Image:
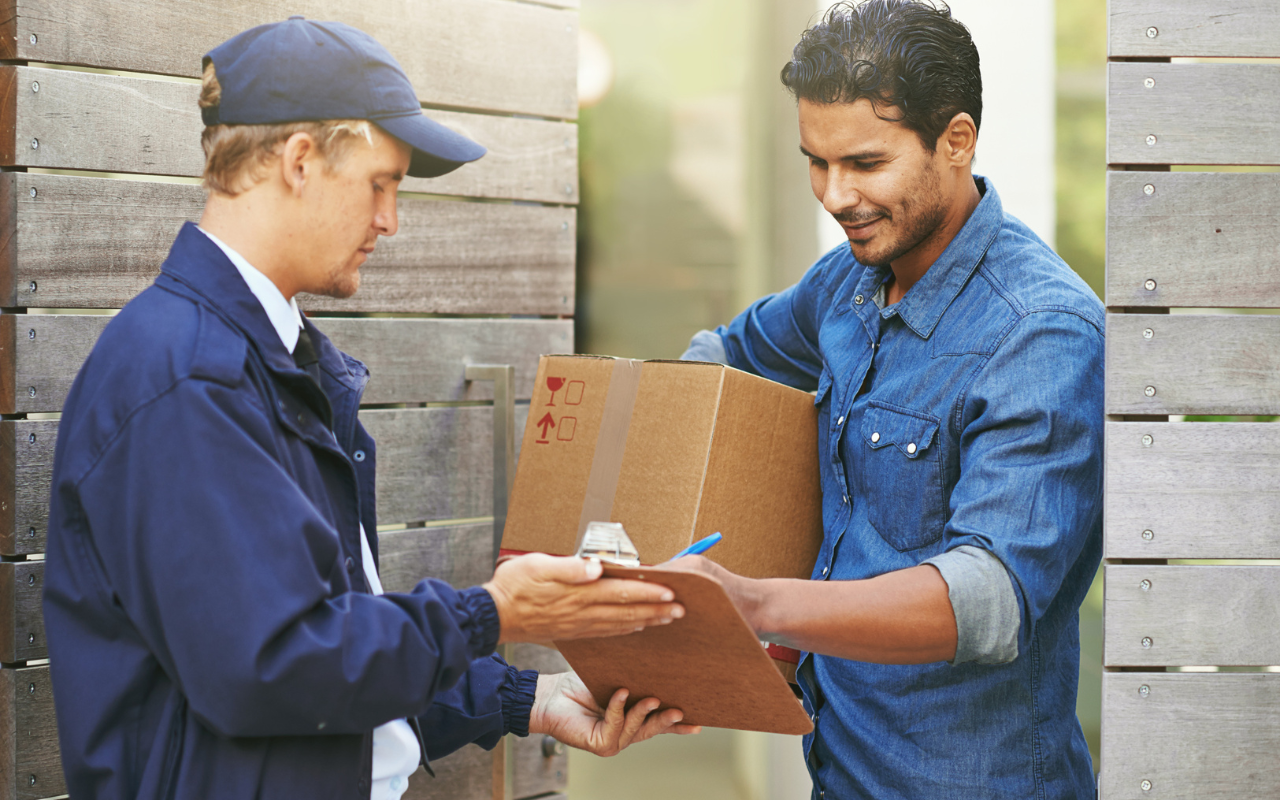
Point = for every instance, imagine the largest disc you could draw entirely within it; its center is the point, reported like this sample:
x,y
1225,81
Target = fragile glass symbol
x,y
554,384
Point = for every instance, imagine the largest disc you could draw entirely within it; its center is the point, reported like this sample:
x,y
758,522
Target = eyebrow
x,y
866,155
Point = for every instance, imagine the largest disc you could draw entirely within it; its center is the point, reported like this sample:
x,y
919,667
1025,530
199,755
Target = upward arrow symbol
x,y
546,423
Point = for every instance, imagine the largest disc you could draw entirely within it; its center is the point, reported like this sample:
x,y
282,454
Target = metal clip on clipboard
x,y
609,543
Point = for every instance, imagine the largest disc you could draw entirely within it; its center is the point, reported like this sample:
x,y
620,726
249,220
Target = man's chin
x,y
871,256
341,287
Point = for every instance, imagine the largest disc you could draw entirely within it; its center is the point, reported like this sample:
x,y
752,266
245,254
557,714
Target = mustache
x,y
858,217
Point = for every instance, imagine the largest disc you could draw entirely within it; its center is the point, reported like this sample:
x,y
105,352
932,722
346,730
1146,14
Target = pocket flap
x,y
910,431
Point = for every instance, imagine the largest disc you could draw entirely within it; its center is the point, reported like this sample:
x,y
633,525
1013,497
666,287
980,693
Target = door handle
x,y
504,439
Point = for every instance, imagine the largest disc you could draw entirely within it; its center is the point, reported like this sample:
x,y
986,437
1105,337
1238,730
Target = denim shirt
x,y
968,414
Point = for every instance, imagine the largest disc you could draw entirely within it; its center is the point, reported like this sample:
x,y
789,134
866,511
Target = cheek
x,y
818,181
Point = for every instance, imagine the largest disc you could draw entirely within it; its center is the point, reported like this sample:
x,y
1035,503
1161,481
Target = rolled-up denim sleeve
x,y
982,598
706,346
1030,486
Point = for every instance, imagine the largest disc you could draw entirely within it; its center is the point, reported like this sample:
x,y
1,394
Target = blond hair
x,y
236,156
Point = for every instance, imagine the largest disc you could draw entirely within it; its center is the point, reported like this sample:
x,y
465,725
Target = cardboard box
x,y
675,451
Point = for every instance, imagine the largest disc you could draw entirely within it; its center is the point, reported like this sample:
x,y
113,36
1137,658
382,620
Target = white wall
x,y
1015,40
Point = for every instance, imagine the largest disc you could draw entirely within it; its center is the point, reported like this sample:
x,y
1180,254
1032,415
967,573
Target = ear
x,y
298,158
958,142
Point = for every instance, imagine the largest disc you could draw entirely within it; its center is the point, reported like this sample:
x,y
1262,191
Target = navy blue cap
x,y
299,70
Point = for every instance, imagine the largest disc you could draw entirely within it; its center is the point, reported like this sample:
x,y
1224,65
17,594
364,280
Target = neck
x,y
246,223
909,268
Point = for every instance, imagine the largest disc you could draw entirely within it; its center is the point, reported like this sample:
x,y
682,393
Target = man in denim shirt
x,y
958,368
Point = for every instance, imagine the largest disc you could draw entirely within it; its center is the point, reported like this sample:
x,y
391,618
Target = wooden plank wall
x,y
481,271
1191,689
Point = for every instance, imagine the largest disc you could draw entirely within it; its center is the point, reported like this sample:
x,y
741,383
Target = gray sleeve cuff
x,y
706,346
986,609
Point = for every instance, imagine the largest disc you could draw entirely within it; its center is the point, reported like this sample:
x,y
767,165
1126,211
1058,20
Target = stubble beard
x,y
922,213
341,284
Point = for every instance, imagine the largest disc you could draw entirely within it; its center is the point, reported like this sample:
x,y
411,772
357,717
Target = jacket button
x,y
875,437
358,455
351,564
911,448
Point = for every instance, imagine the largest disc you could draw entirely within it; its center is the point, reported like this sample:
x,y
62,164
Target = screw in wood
x,y
1150,285
1153,32
1148,535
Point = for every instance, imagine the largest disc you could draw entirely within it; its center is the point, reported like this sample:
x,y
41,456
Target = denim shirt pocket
x,y
902,475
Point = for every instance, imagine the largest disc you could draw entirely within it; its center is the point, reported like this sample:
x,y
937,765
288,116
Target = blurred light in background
x,y
595,69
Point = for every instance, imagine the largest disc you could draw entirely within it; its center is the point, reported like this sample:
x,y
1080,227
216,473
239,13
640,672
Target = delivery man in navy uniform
x,y
211,598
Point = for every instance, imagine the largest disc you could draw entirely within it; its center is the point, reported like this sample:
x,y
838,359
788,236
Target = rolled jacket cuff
x,y
986,609
518,693
482,625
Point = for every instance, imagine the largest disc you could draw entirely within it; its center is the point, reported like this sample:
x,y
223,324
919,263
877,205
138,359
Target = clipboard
x,y
709,664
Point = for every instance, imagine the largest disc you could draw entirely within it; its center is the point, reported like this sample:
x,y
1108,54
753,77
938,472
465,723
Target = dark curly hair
x,y
907,55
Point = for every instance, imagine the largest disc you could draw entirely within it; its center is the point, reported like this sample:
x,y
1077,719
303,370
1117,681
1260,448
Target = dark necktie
x,y
304,355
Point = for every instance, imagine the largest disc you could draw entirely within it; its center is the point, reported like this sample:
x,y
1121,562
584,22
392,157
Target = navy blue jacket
x,y
210,629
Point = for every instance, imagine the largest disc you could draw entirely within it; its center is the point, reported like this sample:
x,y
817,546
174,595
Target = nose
x,y
385,220
841,191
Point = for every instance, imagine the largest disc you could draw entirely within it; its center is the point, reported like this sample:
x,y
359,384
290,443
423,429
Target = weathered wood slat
x,y
435,463
1198,113
1209,240
1158,615
1194,28
1194,364
461,555
29,748
410,360
1207,737
1202,490
30,767
21,620
465,775
97,242
432,464
110,123
528,159
26,468
485,54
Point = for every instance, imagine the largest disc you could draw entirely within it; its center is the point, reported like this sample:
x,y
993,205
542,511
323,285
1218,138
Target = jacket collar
x,y
201,266
925,302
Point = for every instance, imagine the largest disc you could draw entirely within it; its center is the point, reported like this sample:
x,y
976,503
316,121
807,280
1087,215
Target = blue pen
x,y
698,548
